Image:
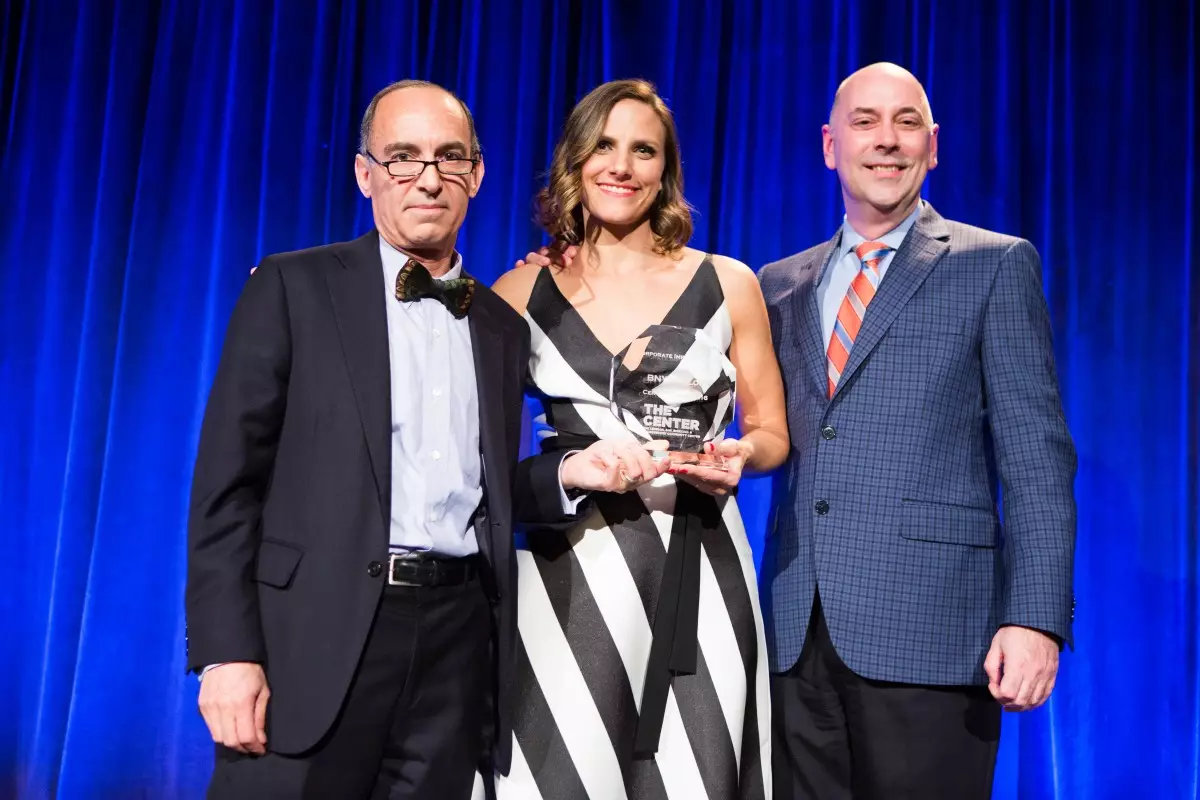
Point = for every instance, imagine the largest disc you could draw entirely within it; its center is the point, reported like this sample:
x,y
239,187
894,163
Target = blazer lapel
x,y
490,357
924,246
808,314
487,347
358,297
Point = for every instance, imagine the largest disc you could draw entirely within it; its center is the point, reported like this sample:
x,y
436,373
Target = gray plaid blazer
x,y
931,499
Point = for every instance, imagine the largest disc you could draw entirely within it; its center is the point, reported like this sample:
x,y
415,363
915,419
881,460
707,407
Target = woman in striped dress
x,y
642,667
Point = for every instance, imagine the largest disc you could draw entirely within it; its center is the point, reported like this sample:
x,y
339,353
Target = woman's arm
x,y
762,412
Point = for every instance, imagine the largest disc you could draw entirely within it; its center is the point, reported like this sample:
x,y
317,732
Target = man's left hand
x,y
1021,666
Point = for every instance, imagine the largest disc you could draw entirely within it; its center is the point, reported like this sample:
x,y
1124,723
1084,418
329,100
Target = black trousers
x,y
412,722
837,735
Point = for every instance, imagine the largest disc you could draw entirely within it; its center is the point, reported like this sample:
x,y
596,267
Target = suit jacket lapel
x,y
808,314
923,247
487,347
358,297
490,357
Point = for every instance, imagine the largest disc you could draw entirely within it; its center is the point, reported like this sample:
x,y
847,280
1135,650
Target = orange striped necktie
x,y
854,307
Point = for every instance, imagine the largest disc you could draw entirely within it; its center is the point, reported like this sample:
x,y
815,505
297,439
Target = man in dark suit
x,y
351,576
917,574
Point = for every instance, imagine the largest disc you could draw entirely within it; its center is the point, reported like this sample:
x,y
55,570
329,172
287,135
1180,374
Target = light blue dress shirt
x,y
834,282
436,463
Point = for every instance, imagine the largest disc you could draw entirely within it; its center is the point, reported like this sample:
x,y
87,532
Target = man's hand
x,y
558,254
1021,666
717,481
233,702
612,466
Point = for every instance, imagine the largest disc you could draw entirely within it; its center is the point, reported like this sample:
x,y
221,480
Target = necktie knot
x,y
871,253
415,283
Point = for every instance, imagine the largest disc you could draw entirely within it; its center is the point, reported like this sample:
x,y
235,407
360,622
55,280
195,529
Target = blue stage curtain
x,y
153,152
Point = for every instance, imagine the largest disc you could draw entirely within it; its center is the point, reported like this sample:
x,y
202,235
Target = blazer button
x,y
828,432
374,569
821,507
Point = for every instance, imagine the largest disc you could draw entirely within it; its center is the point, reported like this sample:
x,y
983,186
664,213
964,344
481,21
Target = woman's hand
x,y
714,481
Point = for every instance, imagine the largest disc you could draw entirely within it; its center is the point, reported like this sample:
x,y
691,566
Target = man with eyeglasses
x,y
351,578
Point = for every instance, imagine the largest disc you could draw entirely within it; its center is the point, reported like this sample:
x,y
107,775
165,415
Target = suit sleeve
x,y
538,497
234,461
1034,453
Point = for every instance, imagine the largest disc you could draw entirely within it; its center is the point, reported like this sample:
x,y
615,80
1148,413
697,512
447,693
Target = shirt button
x,y
436,333
828,432
821,507
437,392
374,568
436,455
433,516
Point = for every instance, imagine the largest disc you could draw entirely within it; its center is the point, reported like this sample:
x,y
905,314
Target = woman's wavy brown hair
x,y
560,204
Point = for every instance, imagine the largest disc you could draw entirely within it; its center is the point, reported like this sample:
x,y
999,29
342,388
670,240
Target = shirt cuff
x,y
570,505
204,671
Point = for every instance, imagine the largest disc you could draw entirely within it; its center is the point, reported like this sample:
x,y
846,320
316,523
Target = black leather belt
x,y
422,569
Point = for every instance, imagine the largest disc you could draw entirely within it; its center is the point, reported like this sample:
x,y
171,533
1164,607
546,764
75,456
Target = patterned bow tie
x,y
415,283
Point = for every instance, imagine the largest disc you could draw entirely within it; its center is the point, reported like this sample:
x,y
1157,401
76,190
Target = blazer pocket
x,y
925,327
948,524
277,562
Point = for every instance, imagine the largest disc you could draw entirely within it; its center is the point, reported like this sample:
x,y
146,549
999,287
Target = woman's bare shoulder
x,y
516,285
738,281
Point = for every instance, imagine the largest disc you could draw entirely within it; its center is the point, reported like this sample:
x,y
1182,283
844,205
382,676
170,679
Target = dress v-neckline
x,y
601,346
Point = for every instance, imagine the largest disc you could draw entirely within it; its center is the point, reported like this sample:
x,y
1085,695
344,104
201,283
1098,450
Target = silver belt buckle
x,y
392,559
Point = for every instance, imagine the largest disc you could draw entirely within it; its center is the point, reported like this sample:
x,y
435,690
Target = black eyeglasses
x,y
412,167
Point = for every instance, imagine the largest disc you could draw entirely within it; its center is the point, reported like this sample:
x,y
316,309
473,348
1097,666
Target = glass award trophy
x,y
675,385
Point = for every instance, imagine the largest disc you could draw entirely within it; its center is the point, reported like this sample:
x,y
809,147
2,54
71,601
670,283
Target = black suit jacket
x,y
291,496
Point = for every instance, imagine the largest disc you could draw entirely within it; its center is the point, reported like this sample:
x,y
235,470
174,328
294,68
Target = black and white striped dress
x,y
588,604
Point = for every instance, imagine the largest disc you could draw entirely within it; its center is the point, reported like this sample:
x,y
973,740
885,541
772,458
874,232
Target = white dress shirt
x,y
436,463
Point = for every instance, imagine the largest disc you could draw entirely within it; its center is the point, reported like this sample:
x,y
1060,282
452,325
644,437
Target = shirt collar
x,y
851,239
394,261
893,238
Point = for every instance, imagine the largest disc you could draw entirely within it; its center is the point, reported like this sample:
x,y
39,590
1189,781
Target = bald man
x,y
917,574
